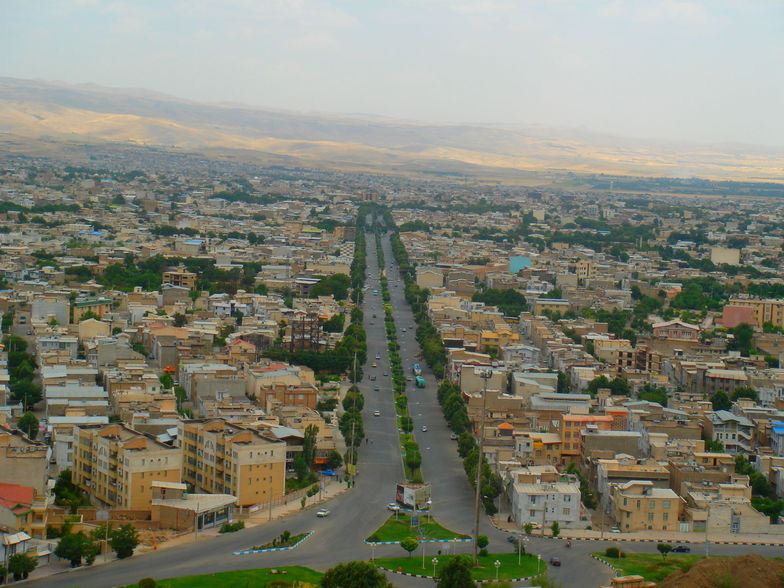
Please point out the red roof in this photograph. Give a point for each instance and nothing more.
(506, 426)
(14, 495)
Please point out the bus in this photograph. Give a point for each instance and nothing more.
(417, 369)
(420, 382)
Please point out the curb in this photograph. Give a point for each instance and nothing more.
(620, 537)
(375, 543)
(608, 564)
(269, 549)
(426, 577)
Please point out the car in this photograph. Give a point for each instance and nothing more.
(324, 512)
(681, 549)
(615, 530)
(374, 364)
(404, 329)
(424, 428)
(453, 436)
(376, 389)
(373, 378)
(393, 506)
(378, 356)
(385, 374)
(377, 413)
(554, 561)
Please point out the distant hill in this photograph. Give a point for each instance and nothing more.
(34, 111)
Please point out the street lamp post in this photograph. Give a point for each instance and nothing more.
(485, 375)
(497, 565)
(538, 561)
(435, 563)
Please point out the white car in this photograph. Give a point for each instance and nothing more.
(394, 507)
(424, 428)
(377, 413)
(324, 512)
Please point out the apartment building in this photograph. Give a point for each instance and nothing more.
(638, 506)
(116, 465)
(546, 503)
(733, 431)
(22, 460)
(182, 279)
(221, 457)
(571, 427)
(763, 310)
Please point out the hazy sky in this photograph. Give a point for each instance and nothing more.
(708, 70)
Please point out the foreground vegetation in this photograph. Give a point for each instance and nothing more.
(508, 570)
(261, 578)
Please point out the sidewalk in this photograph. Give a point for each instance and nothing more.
(647, 536)
(332, 489)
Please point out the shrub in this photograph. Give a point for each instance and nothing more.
(483, 552)
(232, 527)
(482, 541)
(612, 552)
(146, 583)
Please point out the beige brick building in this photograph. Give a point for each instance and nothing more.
(117, 465)
(220, 457)
(638, 506)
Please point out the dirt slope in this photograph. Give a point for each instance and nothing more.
(746, 571)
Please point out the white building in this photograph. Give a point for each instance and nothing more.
(545, 503)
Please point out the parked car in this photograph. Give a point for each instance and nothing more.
(324, 512)
(453, 436)
(681, 549)
(554, 561)
(615, 530)
(393, 506)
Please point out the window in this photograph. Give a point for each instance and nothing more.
(566, 511)
(638, 504)
(625, 501)
(666, 516)
(652, 504)
(650, 517)
(666, 504)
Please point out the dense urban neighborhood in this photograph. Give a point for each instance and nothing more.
(209, 367)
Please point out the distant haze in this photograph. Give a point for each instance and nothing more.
(708, 71)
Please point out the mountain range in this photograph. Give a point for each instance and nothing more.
(59, 115)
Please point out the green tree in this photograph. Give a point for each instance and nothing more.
(744, 392)
(124, 540)
(180, 320)
(555, 528)
(89, 315)
(664, 549)
(482, 541)
(409, 544)
(309, 445)
(29, 424)
(334, 461)
(720, 400)
(742, 335)
(166, 381)
(20, 565)
(456, 573)
(76, 546)
(356, 574)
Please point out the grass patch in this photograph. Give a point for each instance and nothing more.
(397, 530)
(486, 570)
(651, 566)
(260, 578)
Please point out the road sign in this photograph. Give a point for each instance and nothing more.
(414, 521)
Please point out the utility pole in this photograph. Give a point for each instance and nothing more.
(485, 375)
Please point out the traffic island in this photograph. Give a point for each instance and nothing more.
(653, 567)
(398, 527)
(508, 570)
(282, 543)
